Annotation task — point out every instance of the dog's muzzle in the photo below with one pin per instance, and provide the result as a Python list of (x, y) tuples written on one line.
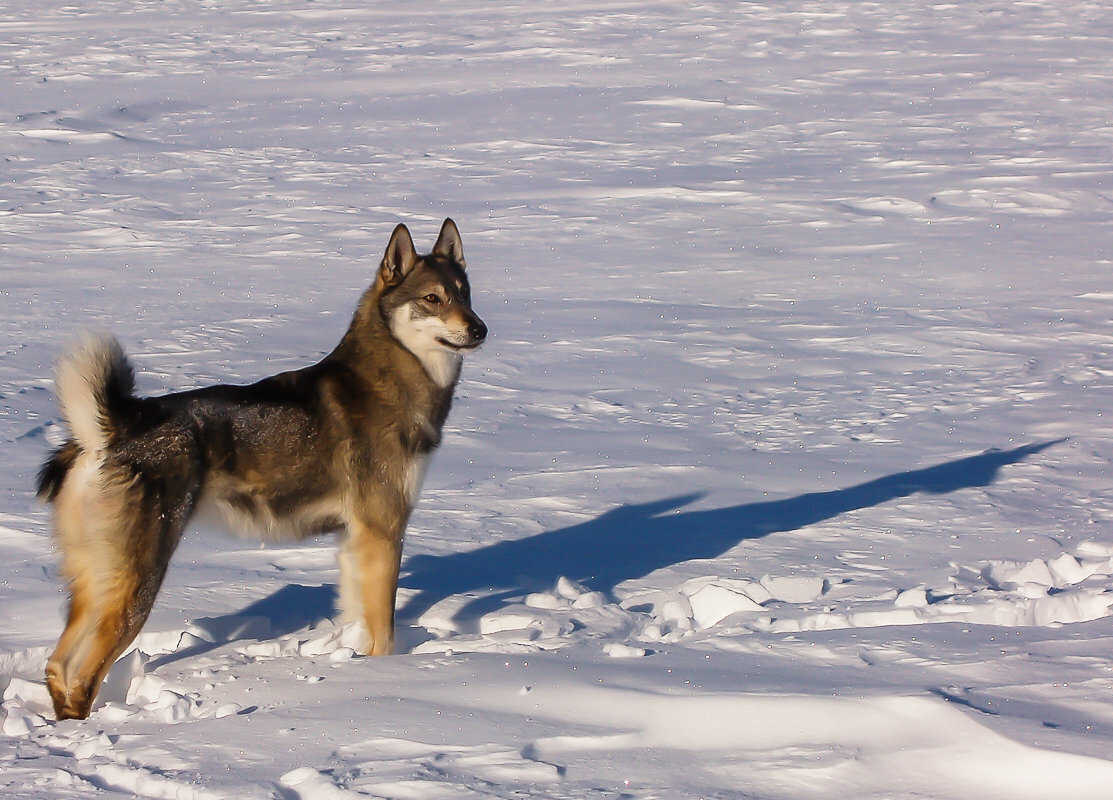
[(476, 332)]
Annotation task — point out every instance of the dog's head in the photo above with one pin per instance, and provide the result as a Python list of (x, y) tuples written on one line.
[(426, 302)]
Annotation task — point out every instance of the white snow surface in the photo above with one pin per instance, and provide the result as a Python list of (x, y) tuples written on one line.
[(782, 475)]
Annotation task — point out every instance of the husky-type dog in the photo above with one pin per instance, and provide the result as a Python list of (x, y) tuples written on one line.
[(338, 446)]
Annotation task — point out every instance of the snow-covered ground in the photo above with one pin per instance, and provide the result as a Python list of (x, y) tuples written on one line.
[(782, 475)]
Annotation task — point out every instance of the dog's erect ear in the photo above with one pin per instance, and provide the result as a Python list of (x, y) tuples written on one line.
[(448, 243), (400, 256)]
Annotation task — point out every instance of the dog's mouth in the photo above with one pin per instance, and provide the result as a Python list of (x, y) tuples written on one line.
[(459, 347)]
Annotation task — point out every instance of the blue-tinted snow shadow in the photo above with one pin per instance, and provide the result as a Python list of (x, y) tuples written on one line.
[(290, 608), (627, 542), (633, 540)]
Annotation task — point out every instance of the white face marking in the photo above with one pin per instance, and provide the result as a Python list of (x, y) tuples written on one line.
[(419, 336)]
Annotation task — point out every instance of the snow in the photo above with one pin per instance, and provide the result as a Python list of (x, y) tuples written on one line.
[(781, 475)]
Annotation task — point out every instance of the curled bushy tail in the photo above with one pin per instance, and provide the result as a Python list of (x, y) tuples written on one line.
[(93, 380)]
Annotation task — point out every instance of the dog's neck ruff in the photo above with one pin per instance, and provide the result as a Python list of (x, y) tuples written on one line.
[(419, 336)]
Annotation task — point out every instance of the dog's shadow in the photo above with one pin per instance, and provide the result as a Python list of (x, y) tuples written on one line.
[(634, 540), (291, 608), (627, 542)]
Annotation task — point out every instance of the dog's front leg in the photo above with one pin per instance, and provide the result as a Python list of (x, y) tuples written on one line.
[(369, 563)]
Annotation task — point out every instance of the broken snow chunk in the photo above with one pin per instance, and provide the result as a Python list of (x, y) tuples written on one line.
[(756, 592), (342, 654), (353, 635), (95, 746), (1092, 549), (300, 777), (794, 589), (875, 619), (619, 650), (568, 589), (114, 712), (1007, 575), (545, 600), (318, 646), (753, 590), (120, 677), (188, 640), (590, 600), (693, 585), (271, 648), (157, 643), (1073, 606), (20, 721), (677, 612), (715, 602), (332, 640), (172, 707), (912, 598), (1062, 608), (14, 724), (495, 623), (29, 694), (1067, 571), (145, 689)]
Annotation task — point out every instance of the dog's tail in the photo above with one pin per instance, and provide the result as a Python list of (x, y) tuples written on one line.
[(93, 381)]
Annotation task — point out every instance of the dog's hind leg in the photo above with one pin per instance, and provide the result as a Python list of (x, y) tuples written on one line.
[(80, 623), (97, 631), (117, 537)]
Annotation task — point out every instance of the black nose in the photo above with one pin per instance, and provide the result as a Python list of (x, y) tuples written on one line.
[(477, 330)]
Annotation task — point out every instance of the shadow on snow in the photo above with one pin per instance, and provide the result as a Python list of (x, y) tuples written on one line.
[(633, 540), (627, 542)]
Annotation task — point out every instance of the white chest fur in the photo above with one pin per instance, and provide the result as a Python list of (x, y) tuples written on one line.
[(415, 477)]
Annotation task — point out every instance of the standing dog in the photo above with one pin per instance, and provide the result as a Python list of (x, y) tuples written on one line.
[(338, 446)]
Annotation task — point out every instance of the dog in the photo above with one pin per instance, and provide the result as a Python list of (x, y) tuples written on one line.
[(341, 445)]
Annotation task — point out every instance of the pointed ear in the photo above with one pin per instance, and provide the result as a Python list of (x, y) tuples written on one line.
[(448, 243), (399, 258)]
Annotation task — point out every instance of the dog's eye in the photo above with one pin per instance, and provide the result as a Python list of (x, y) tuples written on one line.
[(432, 299)]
